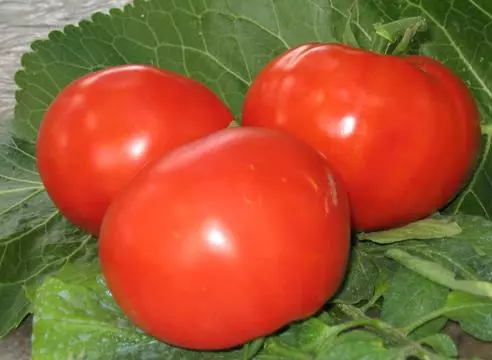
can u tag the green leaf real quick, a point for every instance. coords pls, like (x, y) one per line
(361, 277)
(429, 328)
(439, 274)
(392, 31)
(34, 238)
(410, 296)
(75, 317)
(474, 313)
(224, 44)
(457, 36)
(313, 333)
(468, 255)
(356, 345)
(442, 344)
(429, 228)
(252, 348)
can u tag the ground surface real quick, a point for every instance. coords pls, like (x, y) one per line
(22, 21)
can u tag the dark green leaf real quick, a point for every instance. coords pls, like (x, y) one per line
(456, 36)
(360, 279)
(34, 238)
(75, 317)
(410, 296)
(252, 348)
(429, 328)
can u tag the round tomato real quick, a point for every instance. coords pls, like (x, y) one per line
(403, 133)
(227, 239)
(104, 127)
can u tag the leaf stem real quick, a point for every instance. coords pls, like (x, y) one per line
(487, 129)
(424, 319)
(399, 336)
(289, 352)
(408, 36)
(380, 45)
(378, 293)
(252, 348)
(405, 29)
(357, 314)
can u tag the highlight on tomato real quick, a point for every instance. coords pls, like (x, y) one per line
(226, 239)
(104, 127)
(402, 133)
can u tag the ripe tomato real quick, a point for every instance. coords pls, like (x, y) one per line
(227, 239)
(402, 133)
(104, 127)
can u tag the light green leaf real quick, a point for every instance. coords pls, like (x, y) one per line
(429, 228)
(474, 313)
(442, 344)
(468, 254)
(75, 317)
(356, 345)
(393, 30)
(312, 333)
(439, 274)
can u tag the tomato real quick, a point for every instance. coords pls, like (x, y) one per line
(226, 239)
(102, 129)
(402, 133)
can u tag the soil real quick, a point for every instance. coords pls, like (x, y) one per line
(467, 345)
(17, 345)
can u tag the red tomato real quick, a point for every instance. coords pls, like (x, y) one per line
(104, 127)
(227, 239)
(403, 134)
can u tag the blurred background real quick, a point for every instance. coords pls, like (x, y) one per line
(22, 21)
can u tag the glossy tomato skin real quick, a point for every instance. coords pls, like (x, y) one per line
(227, 239)
(403, 134)
(104, 127)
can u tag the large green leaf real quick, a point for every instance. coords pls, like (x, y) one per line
(76, 318)
(34, 238)
(460, 36)
(223, 44)
(474, 314)
(413, 291)
(410, 296)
